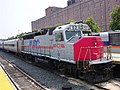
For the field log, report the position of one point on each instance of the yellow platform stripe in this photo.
(116, 59)
(5, 83)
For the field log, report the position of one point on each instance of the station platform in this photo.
(116, 58)
(5, 82)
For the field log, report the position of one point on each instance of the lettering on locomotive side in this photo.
(34, 42)
(58, 46)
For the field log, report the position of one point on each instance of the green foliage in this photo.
(93, 25)
(48, 27)
(20, 35)
(10, 38)
(36, 29)
(57, 25)
(71, 20)
(17, 36)
(115, 21)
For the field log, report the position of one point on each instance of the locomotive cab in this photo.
(69, 31)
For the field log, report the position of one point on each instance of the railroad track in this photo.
(112, 84)
(20, 79)
(109, 85)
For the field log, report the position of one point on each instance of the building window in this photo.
(101, 2)
(108, 2)
(109, 8)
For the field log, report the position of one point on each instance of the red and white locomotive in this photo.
(69, 47)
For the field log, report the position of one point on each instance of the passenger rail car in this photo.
(70, 47)
(13, 45)
(111, 39)
(1, 44)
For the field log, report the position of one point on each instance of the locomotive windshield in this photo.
(72, 31)
(70, 34)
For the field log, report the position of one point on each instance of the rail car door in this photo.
(58, 46)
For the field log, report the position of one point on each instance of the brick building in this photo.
(78, 10)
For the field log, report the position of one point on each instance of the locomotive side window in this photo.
(59, 37)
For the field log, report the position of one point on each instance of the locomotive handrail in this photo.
(85, 58)
(109, 55)
(101, 53)
(89, 53)
(79, 53)
(88, 50)
(78, 58)
(86, 54)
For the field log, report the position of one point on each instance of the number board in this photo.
(78, 27)
(73, 28)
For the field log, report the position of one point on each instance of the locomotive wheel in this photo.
(51, 64)
(75, 73)
(56, 65)
(67, 68)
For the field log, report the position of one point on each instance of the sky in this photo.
(16, 15)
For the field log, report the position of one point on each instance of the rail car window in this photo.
(59, 37)
(70, 34)
(114, 39)
(10, 45)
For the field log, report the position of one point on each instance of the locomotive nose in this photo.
(88, 48)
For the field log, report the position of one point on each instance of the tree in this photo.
(47, 27)
(57, 25)
(17, 36)
(93, 25)
(115, 21)
(71, 20)
(10, 38)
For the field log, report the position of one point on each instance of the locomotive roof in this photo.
(39, 32)
(64, 27)
(11, 40)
